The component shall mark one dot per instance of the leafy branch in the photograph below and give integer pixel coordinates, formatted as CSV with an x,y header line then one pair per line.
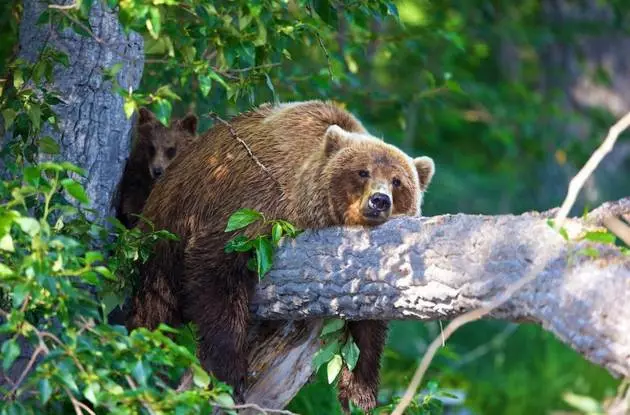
x,y
263,245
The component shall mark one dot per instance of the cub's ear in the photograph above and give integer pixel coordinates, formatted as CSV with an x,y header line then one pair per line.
x,y
335,139
145,116
426,168
189,123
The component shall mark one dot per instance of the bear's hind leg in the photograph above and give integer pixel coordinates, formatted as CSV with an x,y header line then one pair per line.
x,y
361,385
156,299
216,299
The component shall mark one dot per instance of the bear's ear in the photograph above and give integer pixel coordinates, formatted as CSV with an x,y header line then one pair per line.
x,y
426,168
334,140
145,116
189,123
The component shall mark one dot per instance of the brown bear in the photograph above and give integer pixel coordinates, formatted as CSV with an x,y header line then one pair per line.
x,y
154,149
310,163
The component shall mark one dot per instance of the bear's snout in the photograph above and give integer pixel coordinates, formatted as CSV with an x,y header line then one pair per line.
x,y
379,202
156,172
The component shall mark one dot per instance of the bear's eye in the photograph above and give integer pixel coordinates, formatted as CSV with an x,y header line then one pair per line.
x,y
151,151
396,182
364,173
170,152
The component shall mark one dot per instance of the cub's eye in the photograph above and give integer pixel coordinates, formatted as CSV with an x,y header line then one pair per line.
x,y
396,182
364,173
151,151
170,152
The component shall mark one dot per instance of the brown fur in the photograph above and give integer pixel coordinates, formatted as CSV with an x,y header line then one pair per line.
x,y
155,148
314,151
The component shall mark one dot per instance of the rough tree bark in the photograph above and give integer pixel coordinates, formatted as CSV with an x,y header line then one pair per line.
x,y
94,133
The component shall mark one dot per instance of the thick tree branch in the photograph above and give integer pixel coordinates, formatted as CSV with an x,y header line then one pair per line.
x,y
444,266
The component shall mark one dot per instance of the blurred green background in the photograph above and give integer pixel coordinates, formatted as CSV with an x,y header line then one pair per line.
x,y
509,98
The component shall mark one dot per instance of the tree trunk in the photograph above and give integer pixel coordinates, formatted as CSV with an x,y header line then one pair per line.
x,y
95,133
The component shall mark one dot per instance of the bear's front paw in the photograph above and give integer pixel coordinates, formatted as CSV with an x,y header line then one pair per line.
x,y
351,388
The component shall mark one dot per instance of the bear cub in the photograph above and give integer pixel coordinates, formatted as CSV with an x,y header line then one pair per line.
x,y
154,149
322,169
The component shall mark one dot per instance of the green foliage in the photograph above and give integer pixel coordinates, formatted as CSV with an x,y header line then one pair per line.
x,y
53,282
338,348
263,245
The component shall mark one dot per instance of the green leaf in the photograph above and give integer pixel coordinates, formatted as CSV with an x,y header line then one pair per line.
x,y
44,390
154,22
48,145
162,108
242,218
212,74
32,175
5,271
6,243
586,404
90,392
10,351
205,84
264,255
333,368
332,325
200,377
19,293
93,256
139,372
105,272
35,114
324,354
600,236
564,233
28,225
589,251
71,167
454,86
224,400
239,244
9,116
289,229
129,106
350,353
75,190
271,88
18,78
276,233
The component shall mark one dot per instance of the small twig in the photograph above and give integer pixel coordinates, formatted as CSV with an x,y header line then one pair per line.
x,y
264,411
63,7
214,116
321,44
27,369
76,404
574,187
578,181
253,68
133,386
619,228
482,349
80,24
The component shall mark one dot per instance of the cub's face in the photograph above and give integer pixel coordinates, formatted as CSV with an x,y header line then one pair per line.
x,y
371,181
162,143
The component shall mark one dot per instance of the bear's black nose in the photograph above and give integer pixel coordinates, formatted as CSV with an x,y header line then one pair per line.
x,y
157,172
379,202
